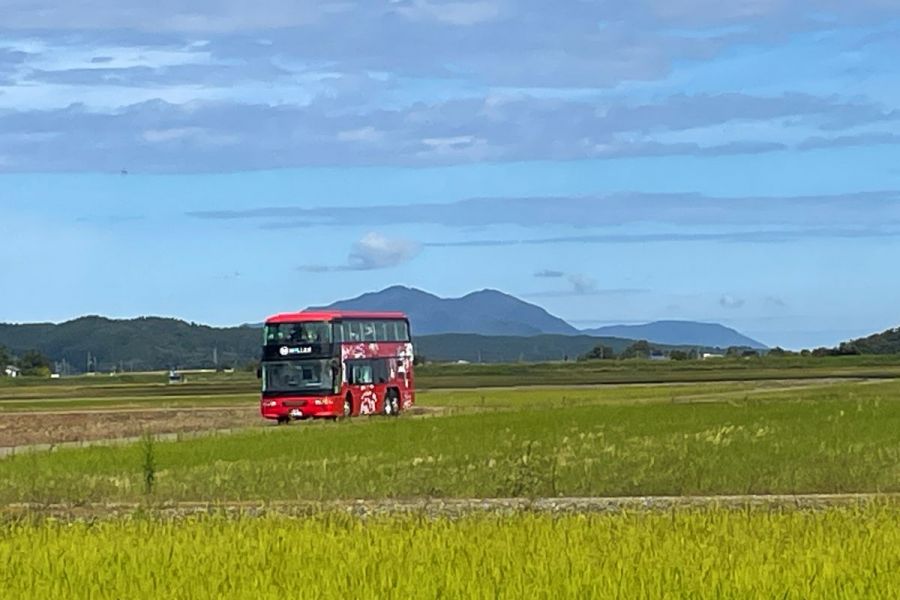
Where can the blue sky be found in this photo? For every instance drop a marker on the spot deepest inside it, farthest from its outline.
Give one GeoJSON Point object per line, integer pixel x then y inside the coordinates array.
{"type": "Point", "coordinates": [613, 162]}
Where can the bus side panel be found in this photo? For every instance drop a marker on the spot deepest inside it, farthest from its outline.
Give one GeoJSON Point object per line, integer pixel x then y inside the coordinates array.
{"type": "Point", "coordinates": [406, 359]}
{"type": "Point", "coordinates": [400, 360]}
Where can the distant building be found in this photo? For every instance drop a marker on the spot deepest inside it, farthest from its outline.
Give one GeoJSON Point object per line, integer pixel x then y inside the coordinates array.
{"type": "Point", "coordinates": [11, 371]}
{"type": "Point", "coordinates": [657, 355]}
{"type": "Point", "coordinates": [707, 355]}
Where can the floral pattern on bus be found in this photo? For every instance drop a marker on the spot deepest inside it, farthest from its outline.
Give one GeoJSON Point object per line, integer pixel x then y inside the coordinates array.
{"type": "Point", "coordinates": [357, 351]}
{"type": "Point", "coordinates": [405, 356]}
{"type": "Point", "coordinates": [368, 400]}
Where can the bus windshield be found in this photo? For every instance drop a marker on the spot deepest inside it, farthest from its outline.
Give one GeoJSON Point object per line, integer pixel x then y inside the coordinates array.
{"type": "Point", "coordinates": [298, 376]}
{"type": "Point", "coordinates": [311, 332]}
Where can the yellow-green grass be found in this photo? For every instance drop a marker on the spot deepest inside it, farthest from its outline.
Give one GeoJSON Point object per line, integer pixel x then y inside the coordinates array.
{"type": "Point", "coordinates": [836, 439]}
{"type": "Point", "coordinates": [716, 553]}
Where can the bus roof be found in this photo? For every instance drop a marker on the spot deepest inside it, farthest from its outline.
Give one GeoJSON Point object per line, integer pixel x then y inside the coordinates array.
{"type": "Point", "coordinates": [330, 315]}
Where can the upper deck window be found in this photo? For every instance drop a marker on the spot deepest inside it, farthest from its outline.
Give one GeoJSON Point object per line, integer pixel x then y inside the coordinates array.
{"type": "Point", "coordinates": [372, 330]}
{"type": "Point", "coordinates": [311, 332]}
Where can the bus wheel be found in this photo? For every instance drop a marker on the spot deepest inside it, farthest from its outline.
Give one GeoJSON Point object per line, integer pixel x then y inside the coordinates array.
{"type": "Point", "coordinates": [392, 404]}
{"type": "Point", "coordinates": [348, 406]}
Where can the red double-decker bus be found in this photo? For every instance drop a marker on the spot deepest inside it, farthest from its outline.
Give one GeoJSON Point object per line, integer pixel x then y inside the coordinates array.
{"type": "Point", "coordinates": [336, 364]}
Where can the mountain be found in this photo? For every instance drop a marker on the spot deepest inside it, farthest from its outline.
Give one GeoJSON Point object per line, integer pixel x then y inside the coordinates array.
{"type": "Point", "coordinates": [684, 333]}
{"type": "Point", "coordinates": [487, 312]}
{"type": "Point", "coordinates": [485, 326]}
{"type": "Point", "coordinates": [494, 313]}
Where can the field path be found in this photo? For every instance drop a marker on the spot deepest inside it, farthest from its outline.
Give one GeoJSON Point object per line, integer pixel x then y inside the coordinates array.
{"type": "Point", "coordinates": [456, 507]}
{"type": "Point", "coordinates": [53, 430]}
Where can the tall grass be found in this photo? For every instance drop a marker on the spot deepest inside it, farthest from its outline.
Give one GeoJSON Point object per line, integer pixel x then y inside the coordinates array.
{"type": "Point", "coordinates": [833, 554]}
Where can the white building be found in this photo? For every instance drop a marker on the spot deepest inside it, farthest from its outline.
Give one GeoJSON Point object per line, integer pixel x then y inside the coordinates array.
{"type": "Point", "coordinates": [11, 371]}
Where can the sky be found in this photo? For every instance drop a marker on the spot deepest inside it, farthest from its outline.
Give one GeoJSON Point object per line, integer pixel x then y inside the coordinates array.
{"type": "Point", "coordinates": [218, 161]}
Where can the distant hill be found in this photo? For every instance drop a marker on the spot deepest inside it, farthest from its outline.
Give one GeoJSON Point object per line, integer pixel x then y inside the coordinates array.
{"type": "Point", "coordinates": [688, 333]}
{"type": "Point", "coordinates": [487, 312]}
{"type": "Point", "coordinates": [886, 342]}
{"type": "Point", "coordinates": [147, 343]}
{"type": "Point", "coordinates": [152, 343]}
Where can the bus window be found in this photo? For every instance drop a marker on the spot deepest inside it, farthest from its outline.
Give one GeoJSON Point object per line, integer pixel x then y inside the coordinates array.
{"type": "Point", "coordinates": [369, 331]}
{"type": "Point", "coordinates": [312, 332]}
{"type": "Point", "coordinates": [361, 373]}
{"type": "Point", "coordinates": [380, 370]}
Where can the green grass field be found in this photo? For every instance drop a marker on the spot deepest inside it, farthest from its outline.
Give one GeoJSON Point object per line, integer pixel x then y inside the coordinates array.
{"type": "Point", "coordinates": [833, 554]}
{"type": "Point", "coordinates": [590, 429]}
{"type": "Point", "coordinates": [635, 440]}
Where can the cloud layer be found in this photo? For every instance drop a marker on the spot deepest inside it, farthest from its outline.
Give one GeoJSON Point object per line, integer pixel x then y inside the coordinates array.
{"type": "Point", "coordinates": [202, 86]}
{"type": "Point", "coordinates": [782, 216]}
{"type": "Point", "coordinates": [212, 136]}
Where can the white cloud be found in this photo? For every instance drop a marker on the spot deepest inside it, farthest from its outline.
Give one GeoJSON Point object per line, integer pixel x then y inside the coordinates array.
{"type": "Point", "coordinates": [730, 302]}
{"type": "Point", "coordinates": [362, 135]}
{"type": "Point", "coordinates": [451, 13]}
{"type": "Point", "coordinates": [376, 251]}
{"type": "Point", "coordinates": [196, 136]}
{"type": "Point", "coordinates": [582, 284]}
{"type": "Point", "coordinates": [207, 16]}
{"type": "Point", "coordinates": [373, 251]}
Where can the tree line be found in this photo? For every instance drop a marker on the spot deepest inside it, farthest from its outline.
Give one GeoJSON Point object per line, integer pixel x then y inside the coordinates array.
{"type": "Point", "coordinates": [32, 363]}
{"type": "Point", "coordinates": [646, 350]}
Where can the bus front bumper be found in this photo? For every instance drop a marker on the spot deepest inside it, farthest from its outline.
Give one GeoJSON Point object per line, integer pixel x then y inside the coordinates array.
{"type": "Point", "coordinates": [300, 408]}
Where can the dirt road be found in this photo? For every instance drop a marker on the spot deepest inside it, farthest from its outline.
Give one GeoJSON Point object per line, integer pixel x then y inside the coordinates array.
{"type": "Point", "coordinates": [456, 507]}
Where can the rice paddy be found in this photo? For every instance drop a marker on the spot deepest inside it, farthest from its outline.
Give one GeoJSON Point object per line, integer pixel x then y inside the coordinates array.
{"type": "Point", "coordinates": [692, 439]}
{"type": "Point", "coordinates": [576, 442]}
{"type": "Point", "coordinates": [838, 553]}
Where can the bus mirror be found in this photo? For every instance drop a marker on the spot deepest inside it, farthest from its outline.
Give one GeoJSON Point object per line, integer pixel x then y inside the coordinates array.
{"type": "Point", "coordinates": [259, 372]}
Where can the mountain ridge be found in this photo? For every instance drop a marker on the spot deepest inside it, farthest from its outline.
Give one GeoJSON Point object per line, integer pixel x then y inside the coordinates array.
{"type": "Point", "coordinates": [677, 332]}
{"type": "Point", "coordinates": [477, 313]}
